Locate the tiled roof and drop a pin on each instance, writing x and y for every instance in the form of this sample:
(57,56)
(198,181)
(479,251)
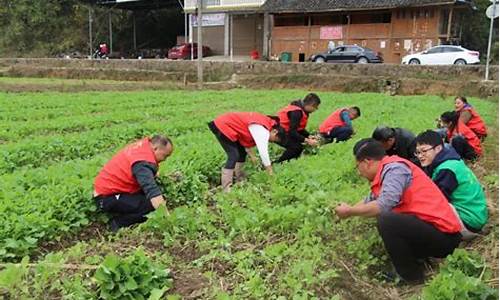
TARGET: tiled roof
(339,5)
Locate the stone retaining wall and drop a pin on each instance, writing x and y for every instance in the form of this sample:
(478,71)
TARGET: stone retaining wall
(394,79)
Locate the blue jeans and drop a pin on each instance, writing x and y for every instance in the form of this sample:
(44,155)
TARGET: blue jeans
(340,134)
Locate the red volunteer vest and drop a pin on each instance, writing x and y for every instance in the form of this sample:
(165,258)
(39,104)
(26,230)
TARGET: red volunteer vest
(285,122)
(235,126)
(475,124)
(422,198)
(333,120)
(469,135)
(116,176)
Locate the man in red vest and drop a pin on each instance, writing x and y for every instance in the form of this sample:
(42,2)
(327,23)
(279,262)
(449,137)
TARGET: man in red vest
(414,218)
(126,186)
(338,125)
(293,119)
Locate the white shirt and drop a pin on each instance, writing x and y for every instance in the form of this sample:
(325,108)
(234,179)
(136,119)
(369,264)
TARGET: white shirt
(261,137)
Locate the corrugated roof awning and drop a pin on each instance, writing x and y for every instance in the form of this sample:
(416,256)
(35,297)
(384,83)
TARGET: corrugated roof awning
(137,4)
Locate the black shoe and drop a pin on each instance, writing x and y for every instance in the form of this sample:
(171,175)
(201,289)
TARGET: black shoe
(113,225)
(390,277)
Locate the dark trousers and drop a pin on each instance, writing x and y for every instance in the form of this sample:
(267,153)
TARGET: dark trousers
(407,238)
(340,134)
(463,148)
(125,209)
(234,150)
(293,149)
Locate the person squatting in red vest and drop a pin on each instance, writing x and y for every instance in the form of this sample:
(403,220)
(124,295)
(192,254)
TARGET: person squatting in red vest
(126,187)
(414,219)
(469,116)
(293,119)
(237,132)
(338,125)
(461,137)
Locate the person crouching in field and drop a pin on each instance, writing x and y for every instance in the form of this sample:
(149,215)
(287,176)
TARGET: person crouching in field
(126,187)
(396,141)
(237,132)
(414,219)
(293,119)
(457,182)
(461,137)
(338,125)
(469,116)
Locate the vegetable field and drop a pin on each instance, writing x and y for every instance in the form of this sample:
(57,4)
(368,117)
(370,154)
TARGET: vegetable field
(270,238)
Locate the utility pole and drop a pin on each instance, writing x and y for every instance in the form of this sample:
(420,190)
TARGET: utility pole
(200,45)
(110,25)
(492,13)
(90,32)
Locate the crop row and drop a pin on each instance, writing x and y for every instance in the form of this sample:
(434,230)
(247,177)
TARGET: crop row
(42,204)
(44,151)
(87,104)
(15,131)
(52,201)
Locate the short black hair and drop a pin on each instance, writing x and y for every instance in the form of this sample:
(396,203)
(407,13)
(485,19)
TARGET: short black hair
(281,131)
(161,140)
(383,133)
(311,99)
(358,111)
(368,148)
(282,136)
(462,98)
(429,137)
(450,117)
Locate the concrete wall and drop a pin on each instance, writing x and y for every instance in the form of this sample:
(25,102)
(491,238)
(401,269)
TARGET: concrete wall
(226,69)
(398,79)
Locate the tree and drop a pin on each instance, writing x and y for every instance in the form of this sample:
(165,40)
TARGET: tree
(40,27)
(476,30)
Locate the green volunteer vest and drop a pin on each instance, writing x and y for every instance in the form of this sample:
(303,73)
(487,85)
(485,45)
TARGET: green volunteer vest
(468,198)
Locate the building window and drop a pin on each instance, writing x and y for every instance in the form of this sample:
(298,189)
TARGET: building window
(371,18)
(443,23)
(328,19)
(290,20)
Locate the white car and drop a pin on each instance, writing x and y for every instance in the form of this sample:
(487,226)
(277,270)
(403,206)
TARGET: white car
(443,55)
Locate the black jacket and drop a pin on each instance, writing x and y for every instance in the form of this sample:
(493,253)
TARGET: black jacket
(295,117)
(404,145)
(144,172)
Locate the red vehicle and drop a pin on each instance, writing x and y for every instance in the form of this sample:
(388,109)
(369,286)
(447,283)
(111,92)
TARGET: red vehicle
(183,51)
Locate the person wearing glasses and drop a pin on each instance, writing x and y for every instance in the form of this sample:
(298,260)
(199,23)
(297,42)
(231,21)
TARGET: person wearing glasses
(455,180)
(414,219)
